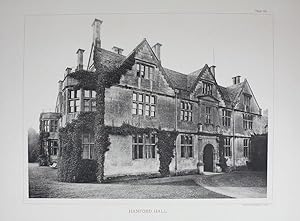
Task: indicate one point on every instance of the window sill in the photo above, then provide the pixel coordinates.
(148, 159)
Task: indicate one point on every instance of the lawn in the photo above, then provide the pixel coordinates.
(43, 184)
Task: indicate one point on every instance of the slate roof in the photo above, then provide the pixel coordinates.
(49, 115)
(225, 93)
(192, 77)
(178, 79)
(110, 57)
(234, 90)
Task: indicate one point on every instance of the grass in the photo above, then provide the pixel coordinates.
(43, 184)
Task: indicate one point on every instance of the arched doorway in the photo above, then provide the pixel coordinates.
(208, 158)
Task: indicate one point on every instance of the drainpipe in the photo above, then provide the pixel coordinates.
(233, 137)
(176, 127)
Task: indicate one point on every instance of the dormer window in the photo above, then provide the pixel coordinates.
(144, 71)
(247, 99)
(207, 88)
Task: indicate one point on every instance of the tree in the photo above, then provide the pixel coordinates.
(33, 145)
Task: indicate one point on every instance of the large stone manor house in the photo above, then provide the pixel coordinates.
(151, 95)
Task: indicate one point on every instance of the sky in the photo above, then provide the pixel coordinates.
(237, 44)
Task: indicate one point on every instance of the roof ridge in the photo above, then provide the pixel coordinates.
(200, 69)
(111, 52)
(174, 71)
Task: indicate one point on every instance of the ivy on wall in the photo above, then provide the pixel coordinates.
(70, 163)
(166, 145)
(108, 73)
(222, 160)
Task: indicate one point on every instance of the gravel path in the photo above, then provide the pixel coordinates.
(242, 184)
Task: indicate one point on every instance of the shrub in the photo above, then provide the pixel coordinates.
(87, 171)
(223, 164)
(43, 160)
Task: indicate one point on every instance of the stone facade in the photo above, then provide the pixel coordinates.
(150, 95)
(49, 124)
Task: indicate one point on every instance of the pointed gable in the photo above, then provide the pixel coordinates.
(234, 91)
(199, 75)
(254, 106)
(144, 52)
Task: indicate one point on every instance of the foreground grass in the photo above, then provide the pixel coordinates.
(43, 184)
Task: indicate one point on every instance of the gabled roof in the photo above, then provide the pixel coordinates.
(176, 79)
(234, 90)
(224, 93)
(192, 77)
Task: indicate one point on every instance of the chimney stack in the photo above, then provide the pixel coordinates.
(236, 79)
(213, 70)
(79, 59)
(156, 49)
(96, 33)
(117, 50)
(60, 86)
(68, 71)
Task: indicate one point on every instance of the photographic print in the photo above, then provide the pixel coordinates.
(148, 106)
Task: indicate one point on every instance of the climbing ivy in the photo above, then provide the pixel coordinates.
(70, 163)
(222, 160)
(107, 74)
(166, 145)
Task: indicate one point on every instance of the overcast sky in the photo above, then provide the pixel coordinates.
(242, 45)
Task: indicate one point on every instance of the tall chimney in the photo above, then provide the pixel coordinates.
(60, 86)
(236, 79)
(156, 49)
(79, 59)
(96, 33)
(213, 70)
(68, 71)
(117, 50)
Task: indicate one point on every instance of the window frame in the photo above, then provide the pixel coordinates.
(144, 71)
(247, 101)
(247, 121)
(226, 117)
(89, 102)
(74, 99)
(90, 144)
(227, 147)
(186, 146)
(144, 146)
(208, 116)
(144, 104)
(207, 88)
(53, 125)
(46, 125)
(186, 111)
(246, 147)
